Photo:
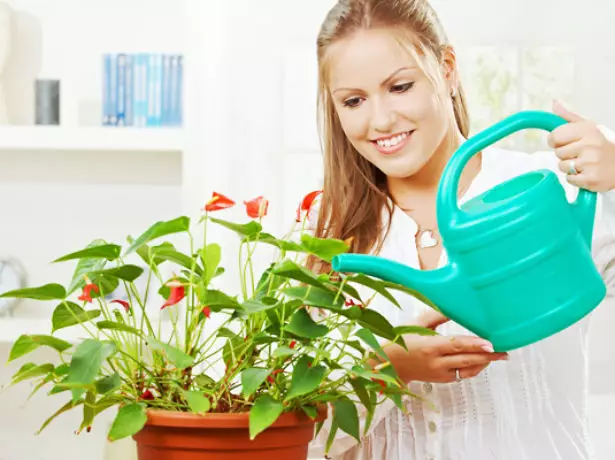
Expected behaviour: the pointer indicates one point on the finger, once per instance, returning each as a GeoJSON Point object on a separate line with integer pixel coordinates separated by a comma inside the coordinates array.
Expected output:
{"type": "Point", "coordinates": [559, 109]}
{"type": "Point", "coordinates": [566, 134]}
{"type": "Point", "coordinates": [578, 180]}
{"type": "Point", "coordinates": [462, 344]}
{"type": "Point", "coordinates": [469, 372]}
{"type": "Point", "coordinates": [462, 361]}
{"type": "Point", "coordinates": [569, 151]}
{"type": "Point", "coordinates": [432, 319]}
{"type": "Point", "coordinates": [566, 166]}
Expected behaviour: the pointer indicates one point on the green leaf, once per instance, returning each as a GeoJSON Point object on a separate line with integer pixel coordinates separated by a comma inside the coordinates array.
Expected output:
{"type": "Point", "coordinates": [108, 384]}
{"type": "Point", "coordinates": [324, 248]}
{"type": "Point", "coordinates": [161, 228]}
{"type": "Point", "coordinates": [30, 371]}
{"type": "Point", "coordinates": [28, 343]}
{"type": "Point", "coordinates": [204, 381]}
{"type": "Point", "coordinates": [252, 379]}
{"type": "Point", "coordinates": [316, 297]}
{"type": "Point", "coordinates": [289, 269]}
{"type": "Point", "coordinates": [169, 253]}
{"type": "Point", "coordinates": [375, 285]}
{"type": "Point", "coordinates": [234, 349]}
{"type": "Point", "coordinates": [211, 256]}
{"type": "Point", "coordinates": [86, 363]}
{"type": "Point", "coordinates": [225, 333]}
{"type": "Point", "coordinates": [249, 229]}
{"type": "Point", "coordinates": [65, 408]}
{"type": "Point", "coordinates": [176, 356]}
{"type": "Point", "coordinates": [359, 388]}
{"type": "Point", "coordinates": [377, 323]}
{"type": "Point", "coordinates": [306, 377]}
{"type": "Point", "coordinates": [104, 251]}
{"type": "Point", "coordinates": [368, 337]}
{"type": "Point", "coordinates": [129, 420]}
{"type": "Point", "coordinates": [102, 325]}
{"type": "Point", "coordinates": [310, 411]}
{"type": "Point", "coordinates": [263, 414]}
{"type": "Point", "coordinates": [252, 306]}
{"type": "Point", "coordinates": [68, 314]}
{"type": "Point", "coordinates": [197, 401]}
{"type": "Point", "coordinates": [371, 375]}
{"type": "Point", "coordinates": [417, 330]}
{"type": "Point", "coordinates": [411, 292]}
{"type": "Point", "coordinates": [345, 412]}
{"type": "Point", "coordinates": [125, 272]}
{"type": "Point", "coordinates": [283, 352]}
{"type": "Point", "coordinates": [88, 410]}
{"type": "Point", "coordinates": [46, 292]}
{"type": "Point", "coordinates": [84, 266]}
{"type": "Point", "coordinates": [284, 245]}
{"type": "Point", "coordinates": [302, 325]}
{"type": "Point", "coordinates": [218, 299]}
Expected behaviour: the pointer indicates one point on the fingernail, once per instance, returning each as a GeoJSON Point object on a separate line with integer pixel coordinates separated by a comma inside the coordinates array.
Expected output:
{"type": "Point", "coordinates": [488, 348]}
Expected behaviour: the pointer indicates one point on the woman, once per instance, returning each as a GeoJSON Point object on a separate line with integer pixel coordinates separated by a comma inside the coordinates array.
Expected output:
{"type": "Point", "coordinates": [393, 113]}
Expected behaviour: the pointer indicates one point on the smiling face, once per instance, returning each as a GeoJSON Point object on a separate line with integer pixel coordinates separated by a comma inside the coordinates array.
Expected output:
{"type": "Point", "coordinates": [387, 106]}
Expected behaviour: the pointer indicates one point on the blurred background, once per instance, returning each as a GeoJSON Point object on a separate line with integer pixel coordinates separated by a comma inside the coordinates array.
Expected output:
{"type": "Point", "coordinates": [118, 113]}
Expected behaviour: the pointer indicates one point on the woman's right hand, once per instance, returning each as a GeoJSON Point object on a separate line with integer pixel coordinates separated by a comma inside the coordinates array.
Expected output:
{"type": "Point", "coordinates": [436, 358]}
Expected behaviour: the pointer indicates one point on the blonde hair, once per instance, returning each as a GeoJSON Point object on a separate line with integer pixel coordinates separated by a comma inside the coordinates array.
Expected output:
{"type": "Point", "coordinates": [355, 191]}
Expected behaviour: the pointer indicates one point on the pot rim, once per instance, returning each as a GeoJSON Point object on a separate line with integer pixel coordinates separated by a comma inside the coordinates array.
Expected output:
{"type": "Point", "coordinates": [176, 419]}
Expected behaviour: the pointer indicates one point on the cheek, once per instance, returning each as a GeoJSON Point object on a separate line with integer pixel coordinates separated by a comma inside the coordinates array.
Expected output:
{"type": "Point", "coordinates": [353, 123]}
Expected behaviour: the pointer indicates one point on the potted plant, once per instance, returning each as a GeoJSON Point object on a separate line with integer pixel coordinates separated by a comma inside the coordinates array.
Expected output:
{"type": "Point", "coordinates": [253, 371]}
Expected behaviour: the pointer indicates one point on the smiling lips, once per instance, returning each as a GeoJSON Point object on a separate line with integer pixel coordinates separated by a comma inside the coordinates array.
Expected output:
{"type": "Point", "coordinates": [392, 144]}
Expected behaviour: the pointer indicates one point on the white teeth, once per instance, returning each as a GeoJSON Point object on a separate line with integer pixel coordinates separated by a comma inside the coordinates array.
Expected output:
{"type": "Point", "coordinates": [393, 141]}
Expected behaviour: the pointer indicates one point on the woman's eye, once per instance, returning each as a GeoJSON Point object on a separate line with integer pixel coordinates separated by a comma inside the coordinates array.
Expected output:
{"type": "Point", "coordinates": [402, 87]}
{"type": "Point", "coordinates": [352, 102]}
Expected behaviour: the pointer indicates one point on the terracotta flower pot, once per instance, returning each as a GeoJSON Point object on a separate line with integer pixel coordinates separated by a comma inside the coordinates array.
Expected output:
{"type": "Point", "coordinates": [184, 436]}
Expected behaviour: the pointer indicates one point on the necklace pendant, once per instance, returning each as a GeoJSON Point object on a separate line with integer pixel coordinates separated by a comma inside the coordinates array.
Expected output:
{"type": "Point", "coordinates": [426, 240]}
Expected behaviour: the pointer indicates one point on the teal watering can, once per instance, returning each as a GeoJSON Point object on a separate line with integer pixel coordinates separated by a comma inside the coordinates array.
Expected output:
{"type": "Point", "coordinates": [520, 266]}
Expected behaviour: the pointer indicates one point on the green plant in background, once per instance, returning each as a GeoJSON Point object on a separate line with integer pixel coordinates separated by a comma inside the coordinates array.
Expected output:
{"type": "Point", "coordinates": [292, 339]}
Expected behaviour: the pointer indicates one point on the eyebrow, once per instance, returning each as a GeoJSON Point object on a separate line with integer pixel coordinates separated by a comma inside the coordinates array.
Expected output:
{"type": "Point", "coordinates": [386, 80]}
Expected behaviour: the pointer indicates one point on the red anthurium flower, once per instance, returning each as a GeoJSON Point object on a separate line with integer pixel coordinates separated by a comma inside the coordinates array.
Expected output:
{"type": "Point", "coordinates": [207, 312]}
{"type": "Point", "coordinates": [257, 207]}
{"type": "Point", "coordinates": [349, 303]}
{"type": "Point", "coordinates": [293, 344]}
{"type": "Point", "coordinates": [177, 294]}
{"type": "Point", "coordinates": [306, 203]}
{"type": "Point", "coordinates": [381, 383]}
{"type": "Point", "coordinates": [123, 303]}
{"type": "Point", "coordinates": [147, 395]}
{"type": "Point", "coordinates": [218, 202]}
{"type": "Point", "coordinates": [86, 295]}
{"type": "Point", "coordinates": [271, 377]}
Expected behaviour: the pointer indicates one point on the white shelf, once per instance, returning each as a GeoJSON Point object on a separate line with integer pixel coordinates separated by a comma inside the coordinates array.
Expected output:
{"type": "Point", "coordinates": [59, 138]}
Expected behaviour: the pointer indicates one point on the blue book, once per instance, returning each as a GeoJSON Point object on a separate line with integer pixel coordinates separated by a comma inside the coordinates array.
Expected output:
{"type": "Point", "coordinates": [129, 95]}
{"type": "Point", "coordinates": [166, 91]}
{"type": "Point", "coordinates": [121, 90]}
{"type": "Point", "coordinates": [140, 90]}
{"type": "Point", "coordinates": [106, 87]}
{"type": "Point", "coordinates": [112, 90]}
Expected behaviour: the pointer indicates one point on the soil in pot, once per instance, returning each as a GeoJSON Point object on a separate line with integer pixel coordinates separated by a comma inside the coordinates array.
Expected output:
{"type": "Point", "coordinates": [184, 436]}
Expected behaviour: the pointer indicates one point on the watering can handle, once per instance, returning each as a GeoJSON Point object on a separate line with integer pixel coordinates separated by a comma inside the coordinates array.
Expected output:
{"type": "Point", "coordinates": [447, 192]}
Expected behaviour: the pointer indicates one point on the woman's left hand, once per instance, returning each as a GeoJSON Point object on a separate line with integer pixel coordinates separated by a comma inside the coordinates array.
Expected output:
{"type": "Point", "coordinates": [586, 153]}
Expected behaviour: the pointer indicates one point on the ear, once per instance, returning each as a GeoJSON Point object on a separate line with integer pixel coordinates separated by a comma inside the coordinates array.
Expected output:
{"type": "Point", "coordinates": [450, 69]}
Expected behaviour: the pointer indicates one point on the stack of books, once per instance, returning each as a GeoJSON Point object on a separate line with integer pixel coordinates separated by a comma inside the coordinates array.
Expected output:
{"type": "Point", "coordinates": [142, 90]}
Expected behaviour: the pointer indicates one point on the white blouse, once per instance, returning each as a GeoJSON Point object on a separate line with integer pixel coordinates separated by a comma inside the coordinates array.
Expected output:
{"type": "Point", "coordinates": [531, 407]}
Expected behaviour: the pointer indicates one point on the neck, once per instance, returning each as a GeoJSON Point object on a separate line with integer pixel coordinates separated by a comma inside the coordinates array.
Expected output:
{"type": "Point", "coordinates": [410, 192]}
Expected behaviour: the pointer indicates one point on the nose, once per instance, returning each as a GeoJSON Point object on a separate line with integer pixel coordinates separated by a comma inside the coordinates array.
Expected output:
{"type": "Point", "coordinates": [383, 117]}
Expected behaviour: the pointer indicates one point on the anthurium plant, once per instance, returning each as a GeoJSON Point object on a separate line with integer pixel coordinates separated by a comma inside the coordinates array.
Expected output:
{"type": "Point", "coordinates": [289, 339]}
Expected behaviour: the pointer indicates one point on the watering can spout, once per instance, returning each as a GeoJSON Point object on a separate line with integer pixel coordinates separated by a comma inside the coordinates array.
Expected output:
{"type": "Point", "coordinates": [442, 288]}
